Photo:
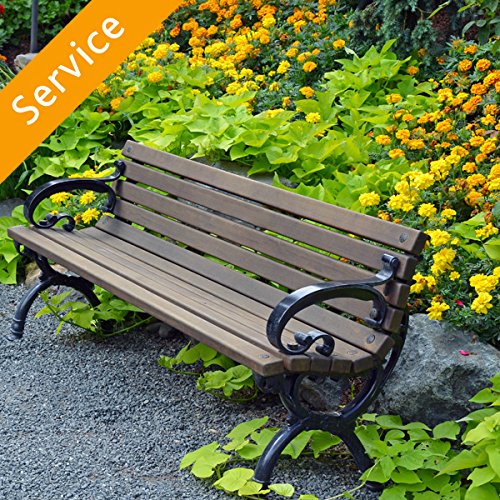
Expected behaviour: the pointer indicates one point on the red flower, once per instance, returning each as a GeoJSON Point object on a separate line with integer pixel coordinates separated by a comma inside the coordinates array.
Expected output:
{"type": "Point", "coordinates": [2, 9]}
{"type": "Point", "coordinates": [464, 353]}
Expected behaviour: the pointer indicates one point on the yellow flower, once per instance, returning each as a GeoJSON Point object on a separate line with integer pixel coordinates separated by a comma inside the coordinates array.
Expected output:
{"type": "Point", "coordinates": [454, 276]}
{"type": "Point", "coordinates": [309, 66]}
{"type": "Point", "coordinates": [396, 153]}
{"type": "Point", "coordinates": [481, 304]}
{"type": "Point", "coordinates": [483, 283]}
{"type": "Point", "coordinates": [407, 117]}
{"type": "Point", "coordinates": [369, 199]}
{"type": "Point", "coordinates": [130, 91]}
{"type": "Point", "coordinates": [287, 101]}
{"type": "Point", "coordinates": [155, 77]}
{"type": "Point", "coordinates": [420, 283]}
{"type": "Point", "coordinates": [115, 103]}
{"type": "Point", "coordinates": [307, 92]}
{"type": "Point", "coordinates": [486, 231]}
{"type": "Point", "coordinates": [292, 52]}
{"type": "Point", "coordinates": [274, 86]}
{"type": "Point", "coordinates": [283, 67]}
{"type": "Point", "coordinates": [442, 261]}
{"type": "Point", "coordinates": [393, 98]}
{"type": "Point", "coordinates": [427, 210]}
{"type": "Point", "coordinates": [415, 144]}
{"type": "Point", "coordinates": [89, 215]}
{"type": "Point", "coordinates": [400, 202]}
{"type": "Point", "coordinates": [448, 213]}
{"type": "Point", "coordinates": [437, 308]}
{"type": "Point", "coordinates": [313, 117]}
{"type": "Point", "coordinates": [87, 198]}
{"type": "Point", "coordinates": [59, 198]}
{"type": "Point", "coordinates": [339, 44]}
{"type": "Point", "coordinates": [103, 89]}
{"type": "Point", "coordinates": [444, 126]}
{"type": "Point", "coordinates": [438, 237]}
{"type": "Point", "coordinates": [403, 135]}
{"type": "Point", "coordinates": [383, 140]}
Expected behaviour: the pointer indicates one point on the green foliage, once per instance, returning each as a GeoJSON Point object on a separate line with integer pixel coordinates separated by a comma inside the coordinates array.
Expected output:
{"type": "Point", "coordinates": [417, 462]}
{"type": "Point", "coordinates": [485, 16]}
{"type": "Point", "coordinates": [421, 27]}
{"type": "Point", "coordinates": [246, 442]}
{"type": "Point", "coordinates": [9, 258]}
{"type": "Point", "coordinates": [53, 16]}
{"type": "Point", "coordinates": [422, 463]}
{"type": "Point", "coordinates": [234, 382]}
{"type": "Point", "coordinates": [111, 310]}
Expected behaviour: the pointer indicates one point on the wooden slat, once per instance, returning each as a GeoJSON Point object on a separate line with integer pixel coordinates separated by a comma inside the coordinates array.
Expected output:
{"type": "Point", "coordinates": [262, 361]}
{"type": "Point", "coordinates": [245, 318]}
{"type": "Point", "coordinates": [251, 261]}
{"type": "Point", "coordinates": [312, 262]}
{"type": "Point", "coordinates": [387, 233]}
{"type": "Point", "coordinates": [337, 243]}
{"type": "Point", "coordinates": [354, 333]}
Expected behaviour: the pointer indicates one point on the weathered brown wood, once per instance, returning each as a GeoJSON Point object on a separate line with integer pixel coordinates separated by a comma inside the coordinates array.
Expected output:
{"type": "Point", "coordinates": [354, 336]}
{"type": "Point", "coordinates": [387, 233]}
{"type": "Point", "coordinates": [262, 361]}
{"type": "Point", "coordinates": [252, 261]}
{"type": "Point", "coordinates": [335, 243]}
{"type": "Point", "coordinates": [285, 251]}
{"type": "Point", "coordinates": [136, 242]}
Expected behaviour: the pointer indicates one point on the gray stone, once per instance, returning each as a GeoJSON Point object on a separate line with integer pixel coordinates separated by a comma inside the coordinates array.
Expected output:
{"type": "Point", "coordinates": [433, 381]}
{"type": "Point", "coordinates": [22, 60]}
{"type": "Point", "coordinates": [7, 206]}
{"type": "Point", "coordinates": [32, 273]}
{"type": "Point", "coordinates": [167, 332]}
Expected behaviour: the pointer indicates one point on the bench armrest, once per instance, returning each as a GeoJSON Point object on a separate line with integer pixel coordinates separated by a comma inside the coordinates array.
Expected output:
{"type": "Point", "coordinates": [59, 185]}
{"type": "Point", "coordinates": [313, 294]}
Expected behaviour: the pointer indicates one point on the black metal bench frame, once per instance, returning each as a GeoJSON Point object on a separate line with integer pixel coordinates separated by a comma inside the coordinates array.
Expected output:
{"type": "Point", "coordinates": [287, 385]}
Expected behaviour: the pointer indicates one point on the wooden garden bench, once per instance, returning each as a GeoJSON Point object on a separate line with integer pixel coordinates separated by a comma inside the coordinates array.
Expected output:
{"type": "Point", "coordinates": [170, 213]}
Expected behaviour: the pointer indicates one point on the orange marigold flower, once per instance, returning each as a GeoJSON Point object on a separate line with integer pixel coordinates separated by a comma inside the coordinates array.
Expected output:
{"type": "Point", "coordinates": [483, 64]}
{"type": "Point", "coordinates": [339, 44]}
{"type": "Point", "coordinates": [471, 49]}
{"type": "Point", "coordinates": [309, 66]}
{"type": "Point", "coordinates": [307, 92]}
{"type": "Point", "coordinates": [412, 70]}
{"type": "Point", "coordinates": [396, 153]}
{"type": "Point", "coordinates": [478, 89]}
{"type": "Point", "coordinates": [465, 65]}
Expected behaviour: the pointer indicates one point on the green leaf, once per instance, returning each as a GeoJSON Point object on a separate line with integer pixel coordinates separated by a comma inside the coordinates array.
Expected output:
{"type": "Point", "coordinates": [412, 460]}
{"type": "Point", "coordinates": [492, 248]}
{"type": "Point", "coordinates": [285, 490]}
{"type": "Point", "coordinates": [321, 441]}
{"type": "Point", "coordinates": [493, 453]}
{"type": "Point", "coordinates": [394, 493]}
{"type": "Point", "coordinates": [234, 479]}
{"type": "Point", "coordinates": [390, 422]}
{"type": "Point", "coordinates": [308, 497]}
{"type": "Point", "coordinates": [204, 451]}
{"type": "Point", "coordinates": [466, 459]}
{"type": "Point", "coordinates": [252, 488]}
{"type": "Point", "coordinates": [481, 476]}
{"type": "Point", "coordinates": [401, 475]}
{"type": "Point", "coordinates": [446, 430]}
{"type": "Point", "coordinates": [483, 492]}
{"type": "Point", "coordinates": [297, 446]}
{"type": "Point", "coordinates": [380, 472]}
{"type": "Point", "coordinates": [244, 429]}
{"type": "Point", "coordinates": [483, 397]}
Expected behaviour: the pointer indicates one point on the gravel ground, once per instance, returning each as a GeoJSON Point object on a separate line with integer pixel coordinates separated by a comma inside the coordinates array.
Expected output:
{"type": "Point", "coordinates": [87, 419]}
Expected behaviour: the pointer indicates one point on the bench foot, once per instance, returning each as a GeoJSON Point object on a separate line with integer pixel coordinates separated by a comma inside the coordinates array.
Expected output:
{"type": "Point", "coordinates": [340, 423]}
{"type": "Point", "coordinates": [49, 277]}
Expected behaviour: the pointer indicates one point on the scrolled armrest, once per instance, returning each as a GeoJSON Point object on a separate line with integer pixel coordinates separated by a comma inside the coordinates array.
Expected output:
{"type": "Point", "coordinates": [60, 185]}
{"type": "Point", "coordinates": [313, 294]}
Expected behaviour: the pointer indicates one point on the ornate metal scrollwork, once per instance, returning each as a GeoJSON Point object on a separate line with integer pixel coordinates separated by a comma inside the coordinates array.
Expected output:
{"type": "Point", "coordinates": [57, 186]}
{"type": "Point", "coordinates": [313, 294]}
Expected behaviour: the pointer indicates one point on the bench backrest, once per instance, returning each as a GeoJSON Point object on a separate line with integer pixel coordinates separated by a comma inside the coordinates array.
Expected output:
{"type": "Point", "coordinates": [277, 235]}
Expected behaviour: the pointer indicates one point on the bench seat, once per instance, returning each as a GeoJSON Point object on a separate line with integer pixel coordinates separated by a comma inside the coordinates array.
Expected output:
{"type": "Point", "coordinates": [221, 307]}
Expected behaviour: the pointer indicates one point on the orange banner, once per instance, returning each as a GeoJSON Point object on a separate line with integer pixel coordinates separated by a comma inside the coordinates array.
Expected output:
{"type": "Point", "coordinates": [65, 72]}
